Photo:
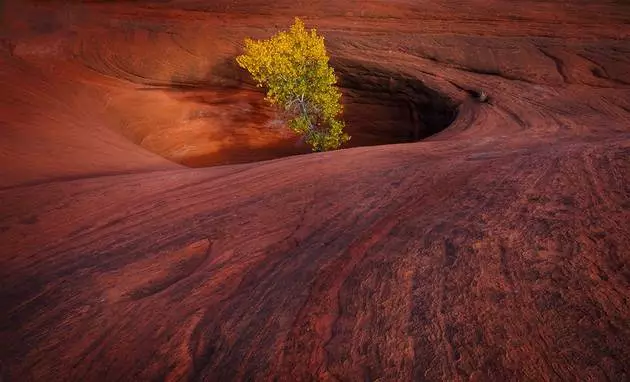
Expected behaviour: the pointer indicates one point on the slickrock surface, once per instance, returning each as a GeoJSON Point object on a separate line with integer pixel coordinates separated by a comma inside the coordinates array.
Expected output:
{"type": "Point", "coordinates": [497, 248]}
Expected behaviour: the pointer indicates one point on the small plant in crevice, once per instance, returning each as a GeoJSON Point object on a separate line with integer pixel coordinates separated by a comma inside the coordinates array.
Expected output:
{"type": "Point", "coordinates": [293, 66]}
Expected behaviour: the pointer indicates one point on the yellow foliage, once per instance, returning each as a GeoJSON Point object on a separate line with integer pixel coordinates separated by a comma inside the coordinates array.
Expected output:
{"type": "Point", "coordinates": [293, 66]}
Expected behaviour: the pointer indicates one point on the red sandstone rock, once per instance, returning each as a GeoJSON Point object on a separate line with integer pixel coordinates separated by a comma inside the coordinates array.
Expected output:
{"type": "Point", "coordinates": [497, 249]}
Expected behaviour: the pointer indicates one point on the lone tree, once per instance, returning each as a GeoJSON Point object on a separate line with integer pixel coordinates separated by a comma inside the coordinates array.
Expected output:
{"type": "Point", "coordinates": [293, 66]}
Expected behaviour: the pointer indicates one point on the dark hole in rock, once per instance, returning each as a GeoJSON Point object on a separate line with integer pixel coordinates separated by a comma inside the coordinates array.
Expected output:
{"type": "Point", "coordinates": [384, 107]}
{"type": "Point", "coordinates": [380, 107]}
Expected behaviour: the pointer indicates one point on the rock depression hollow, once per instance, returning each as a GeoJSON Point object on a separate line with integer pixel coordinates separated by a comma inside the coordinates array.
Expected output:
{"type": "Point", "coordinates": [232, 123]}
{"type": "Point", "coordinates": [383, 106]}
{"type": "Point", "coordinates": [169, 90]}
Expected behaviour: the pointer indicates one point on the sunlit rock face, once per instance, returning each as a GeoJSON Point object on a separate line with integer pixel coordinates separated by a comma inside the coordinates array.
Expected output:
{"type": "Point", "coordinates": [146, 234]}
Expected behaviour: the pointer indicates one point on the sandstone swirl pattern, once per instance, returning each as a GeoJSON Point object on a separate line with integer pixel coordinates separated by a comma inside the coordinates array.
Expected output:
{"type": "Point", "coordinates": [496, 249]}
